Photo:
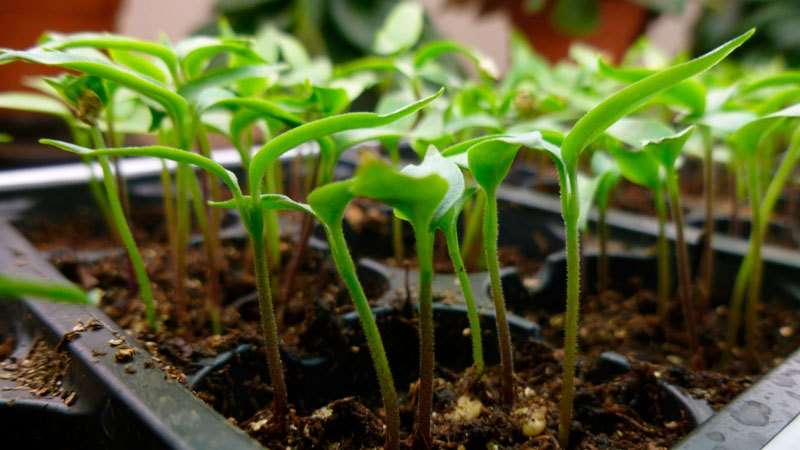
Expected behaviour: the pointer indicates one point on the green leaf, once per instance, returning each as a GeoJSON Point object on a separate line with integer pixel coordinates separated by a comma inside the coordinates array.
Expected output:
{"type": "Point", "coordinates": [355, 84]}
{"type": "Point", "coordinates": [195, 52]}
{"type": "Point", "coordinates": [197, 88]}
{"type": "Point", "coordinates": [638, 132]}
{"type": "Point", "coordinates": [746, 139]}
{"type": "Point", "coordinates": [324, 127]}
{"type": "Point", "coordinates": [784, 78]}
{"type": "Point", "coordinates": [436, 49]}
{"type": "Point", "coordinates": [401, 30]}
{"type": "Point", "coordinates": [723, 123]}
{"type": "Point", "coordinates": [140, 64]}
{"type": "Point", "coordinates": [329, 201]}
{"type": "Point", "coordinates": [13, 288]}
{"type": "Point", "coordinates": [278, 202]}
{"type": "Point", "coordinates": [113, 42]}
{"type": "Point", "coordinates": [156, 151]}
{"type": "Point", "coordinates": [668, 149]}
{"type": "Point", "coordinates": [490, 159]}
{"type": "Point", "coordinates": [607, 172]}
{"type": "Point", "coordinates": [639, 167]}
{"type": "Point", "coordinates": [415, 198]}
{"type": "Point", "coordinates": [103, 69]}
{"type": "Point", "coordinates": [630, 98]}
{"type": "Point", "coordinates": [263, 107]}
{"type": "Point", "coordinates": [689, 94]}
{"type": "Point", "coordinates": [587, 188]}
{"type": "Point", "coordinates": [435, 163]}
{"type": "Point", "coordinates": [449, 220]}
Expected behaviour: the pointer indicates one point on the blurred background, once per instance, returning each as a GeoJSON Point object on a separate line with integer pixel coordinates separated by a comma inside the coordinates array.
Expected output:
{"type": "Point", "coordinates": [343, 29]}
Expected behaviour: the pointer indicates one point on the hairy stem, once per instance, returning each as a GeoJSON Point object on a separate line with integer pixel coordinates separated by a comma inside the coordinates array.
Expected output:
{"type": "Point", "coordinates": [602, 262]}
{"type": "Point", "coordinates": [269, 328]}
{"type": "Point", "coordinates": [663, 258]}
{"type": "Point", "coordinates": [182, 224]}
{"type": "Point", "coordinates": [422, 434]}
{"type": "Point", "coordinates": [398, 245]}
{"type": "Point", "coordinates": [112, 195]}
{"type": "Point", "coordinates": [754, 288]}
{"type": "Point", "coordinates": [451, 237]}
{"type": "Point", "coordinates": [684, 269]}
{"type": "Point", "coordinates": [473, 227]}
{"type": "Point", "coordinates": [211, 243]}
{"type": "Point", "coordinates": [347, 270]}
{"type": "Point", "coordinates": [707, 281]}
{"type": "Point", "coordinates": [490, 235]}
{"type": "Point", "coordinates": [572, 314]}
{"type": "Point", "coordinates": [169, 209]}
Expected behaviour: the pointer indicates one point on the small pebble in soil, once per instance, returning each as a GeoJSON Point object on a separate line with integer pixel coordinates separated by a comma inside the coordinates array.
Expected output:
{"type": "Point", "coordinates": [786, 331]}
{"type": "Point", "coordinates": [124, 355]}
{"type": "Point", "coordinates": [532, 422]}
{"type": "Point", "coordinates": [129, 369]}
{"type": "Point", "coordinates": [115, 342]}
{"type": "Point", "coordinates": [466, 332]}
{"type": "Point", "coordinates": [674, 359]}
{"type": "Point", "coordinates": [466, 409]}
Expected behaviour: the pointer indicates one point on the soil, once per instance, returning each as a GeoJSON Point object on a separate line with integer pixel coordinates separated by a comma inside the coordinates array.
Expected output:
{"type": "Point", "coordinates": [41, 372]}
{"type": "Point", "coordinates": [329, 374]}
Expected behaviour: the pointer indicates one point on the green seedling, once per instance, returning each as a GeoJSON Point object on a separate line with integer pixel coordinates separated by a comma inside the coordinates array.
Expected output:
{"type": "Point", "coordinates": [251, 209]}
{"type": "Point", "coordinates": [448, 224]}
{"type": "Point", "coordinates": [605, 177]}
{"type": "Point", "coordinates": [584, 132]}
{"type": "Point", "coordinates": [328, 203]}
{"type": "Point", "coordinates": [655, 165]}
{"type": "Point", "coordinates": [420, 194]}
{"type": "Point", "coordinates": [752, 143]}
{"type": "Point", "coordinates": [489, 159]}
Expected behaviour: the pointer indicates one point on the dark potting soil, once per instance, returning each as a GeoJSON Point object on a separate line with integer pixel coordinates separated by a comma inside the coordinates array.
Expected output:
{"type": "Point", "coordinates": [40, 372]}
{"type": "Point", "coordinates": [342, 409]}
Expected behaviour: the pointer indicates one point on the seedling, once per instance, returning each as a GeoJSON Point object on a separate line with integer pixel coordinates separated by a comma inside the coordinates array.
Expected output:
{"type": "Point", "coordinates": [585, 131]}
{"type": "Point", "coordinates": [489, 159]}
{"type": "Point", "coordinates": [421, 195]}
{"type": "Point", "coordinates": [606, 175]}
{"type": "Point", "coordinates": [751, 143]}
{"type": "Point", "coordinates": [251, 209]}
{"type": "Point", "coordinates": [655, 166]}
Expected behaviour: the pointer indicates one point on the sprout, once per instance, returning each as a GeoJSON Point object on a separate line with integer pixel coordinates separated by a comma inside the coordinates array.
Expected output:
{"type": "Point", "coordinates": [420, 195]}
{"type": "Point", "coordinates": [251, 208]}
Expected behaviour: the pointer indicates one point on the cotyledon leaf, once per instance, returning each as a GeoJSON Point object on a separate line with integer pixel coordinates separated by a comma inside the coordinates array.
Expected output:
{"type": "Point", "coordinates": [629, 98]}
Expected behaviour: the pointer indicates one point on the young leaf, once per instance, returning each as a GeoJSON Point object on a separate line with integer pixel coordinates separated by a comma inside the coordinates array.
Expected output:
{"type": "Point", "coordinates": [112, 42]}
{"type": "Point", "coordinates": [417, 199]}
{"type": "Point", "coordinates": [401, 30]}
{"type": "Point", "coordinates": [321, 128]}
{"type": "Point", "coordinates": [278, 202]}
{"type": "Point", "coordinates": [629, 98]}
{"type": "Point", "coordinates": [607, 171]}
{"type": "Point", "coordinates": [156, 151]}
{"type": "Point", "coordinates": [15, 288]}
{"type": "Point", "coordinates": [436, 49]}
{"type": "Point", "coordinates": [103, 69]}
